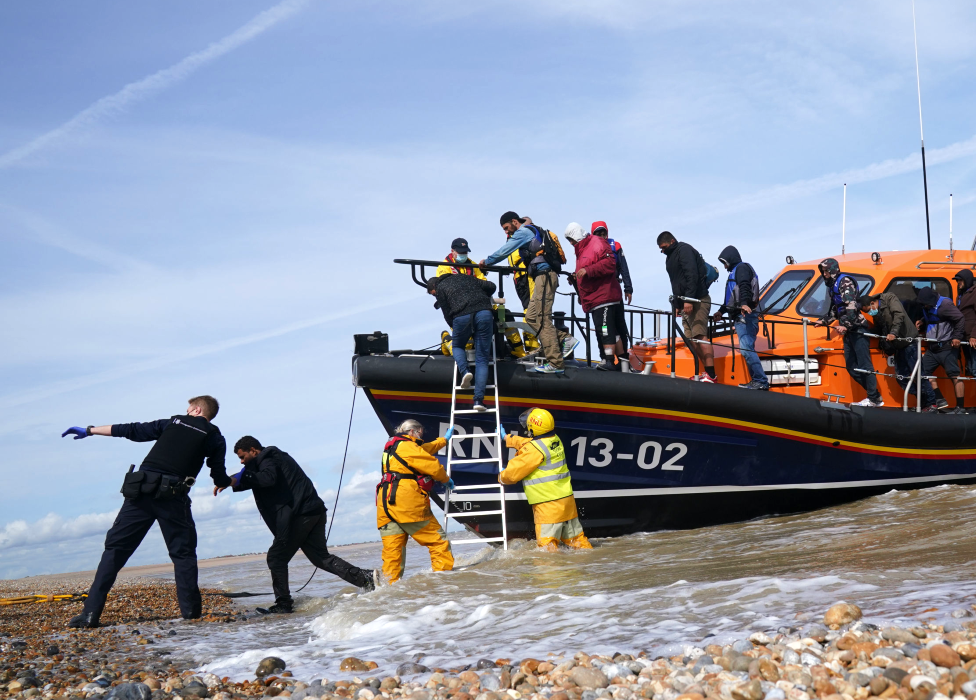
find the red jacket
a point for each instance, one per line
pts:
(599, 285)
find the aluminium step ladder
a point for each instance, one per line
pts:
(495, 440)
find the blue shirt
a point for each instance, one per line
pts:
(521, 237)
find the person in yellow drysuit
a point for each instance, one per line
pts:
(459, 254)
(540, 465)
(402, 501)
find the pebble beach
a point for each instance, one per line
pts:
(840, 657)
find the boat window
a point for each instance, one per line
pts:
(784, 290)
(817, 301)
(907, 288)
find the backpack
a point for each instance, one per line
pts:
(711, 272)
(552, 251)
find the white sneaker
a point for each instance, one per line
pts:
(569, 346)
(868, 403)
(480, 408)
(466, 380)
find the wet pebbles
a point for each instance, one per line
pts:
(843, 659)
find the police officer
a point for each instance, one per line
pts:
(540, 464)
(293, 511)
(159, 491)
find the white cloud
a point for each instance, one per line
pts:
(53, 528)
(141, 89)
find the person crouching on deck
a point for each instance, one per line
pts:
(540, 465)
(403, 501)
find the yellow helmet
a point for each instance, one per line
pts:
(538, 421)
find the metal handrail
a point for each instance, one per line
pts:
(946, 263)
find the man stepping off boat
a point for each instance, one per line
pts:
(540, 465)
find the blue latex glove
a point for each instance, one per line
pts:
(450, 484)
(449, 433)
(238, 475)
(79, 433)
(503, 433)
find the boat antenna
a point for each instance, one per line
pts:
(950, 227)
(843, 223)
(925, 180)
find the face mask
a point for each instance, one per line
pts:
(461, 258)
(872, 312)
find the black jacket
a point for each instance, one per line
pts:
(967, 303)
(182, 443)
(459, 295)
(686, 270)
(281, 489)
(746, 290)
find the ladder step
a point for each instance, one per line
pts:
(471, 388)
(474, 515)
(480, 540)
(470, 487)
(471, 410)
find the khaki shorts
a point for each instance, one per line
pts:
(696, 323)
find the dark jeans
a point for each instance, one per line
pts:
(131, 525)
(747, 328)
(307, 533)
(857, 354)
(479, 325)
(905, 360)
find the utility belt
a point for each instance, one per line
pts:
(155, 485)
(391, 482)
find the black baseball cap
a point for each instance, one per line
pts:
(510, 216)
(460, 245)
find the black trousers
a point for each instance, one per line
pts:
(126, 534)
(307, 533)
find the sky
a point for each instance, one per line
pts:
(207, 198)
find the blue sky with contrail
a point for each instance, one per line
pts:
(205, 198)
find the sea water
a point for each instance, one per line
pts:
(904, 557)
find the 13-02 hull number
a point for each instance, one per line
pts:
(648, 456)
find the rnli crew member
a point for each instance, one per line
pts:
(741, 304)
(459, 254)
(687, 272)
(539, 250)
(599, 293)
(540, 464)
(402, 501)
(158, 492)
(843, 296)
(466, 304)
(892, 321)
(946, 327)
(293, 511)
(966, 303)
(599, 228)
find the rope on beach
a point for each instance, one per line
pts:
(44, 598)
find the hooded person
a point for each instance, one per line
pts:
(403, 511)
(540, 464)
(741, 304)
(843, 305)
(599, 228)
(966, 303)
(596, 283)
(945, 327)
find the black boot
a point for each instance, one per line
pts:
(85, 620)
(369, 580)
(281, 606)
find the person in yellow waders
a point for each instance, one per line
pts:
(403, 501)
(540, 465)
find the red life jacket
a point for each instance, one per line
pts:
(390, 481)
(451, 259)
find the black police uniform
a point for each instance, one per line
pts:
(182, 443)
(293, 511)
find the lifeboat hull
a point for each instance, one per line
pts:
(648, 452)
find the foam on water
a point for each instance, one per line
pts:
(896, 556)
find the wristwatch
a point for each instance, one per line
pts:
(88, 430)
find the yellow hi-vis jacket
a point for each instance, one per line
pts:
(515, 261)
(412, 502)
(528, 464)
